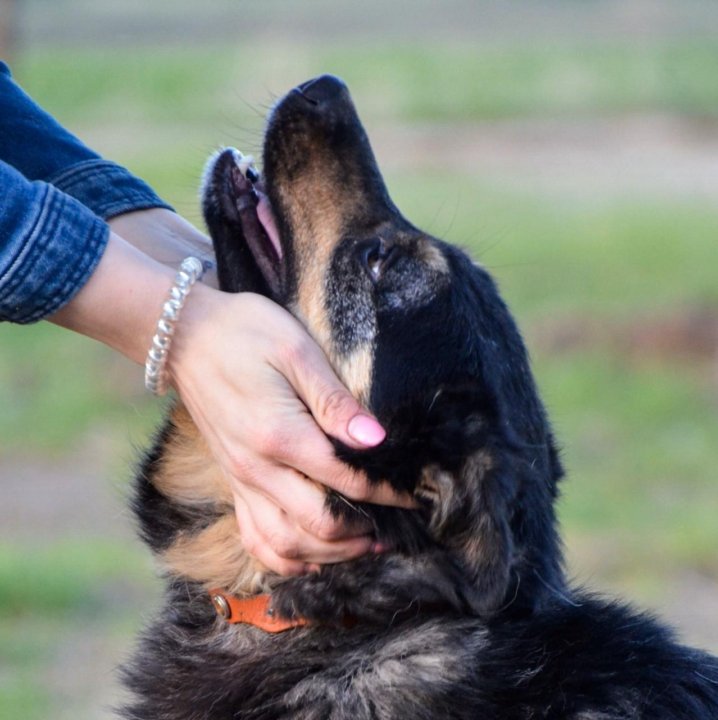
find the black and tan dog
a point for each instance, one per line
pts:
(469, 615)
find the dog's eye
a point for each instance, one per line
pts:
(376, 256)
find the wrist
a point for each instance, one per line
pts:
(166, 237)
(156, 374)
(195, 335)
(114, 306)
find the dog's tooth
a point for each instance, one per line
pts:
(238, 156)
(245, 164)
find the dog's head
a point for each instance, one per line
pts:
(417, 332)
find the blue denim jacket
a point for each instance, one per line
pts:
(55, 196)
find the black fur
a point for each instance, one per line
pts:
(469, 615)
(159, 519)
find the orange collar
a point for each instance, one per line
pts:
(255, 610)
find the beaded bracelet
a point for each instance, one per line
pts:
(190, 271)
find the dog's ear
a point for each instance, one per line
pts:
(470, 515)
(471, 498)
(495, 516)
(237, 269)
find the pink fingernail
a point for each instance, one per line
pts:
(379, 548)
(366, 430)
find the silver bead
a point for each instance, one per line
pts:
(190, 271)
(161, 342)
(166, 328)
(170, 311)
(157, 355)
(192, 264)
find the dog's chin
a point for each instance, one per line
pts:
(238, 194)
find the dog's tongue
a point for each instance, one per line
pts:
(245, 165)
(266, 217)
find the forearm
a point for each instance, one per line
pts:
(49, 247)
(167, 238)
(122, 301)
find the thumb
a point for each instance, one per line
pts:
(334, 408)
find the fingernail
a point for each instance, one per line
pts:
(366, 430)
(379, 548)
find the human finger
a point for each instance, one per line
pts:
(269, 535)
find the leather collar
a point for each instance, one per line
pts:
(255, 611)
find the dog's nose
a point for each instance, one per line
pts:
(322, 89)
(376, 256)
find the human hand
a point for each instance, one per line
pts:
(166, 237)
(261, 392)
(258, 388)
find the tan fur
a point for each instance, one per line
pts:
(438, 487)
(428, 253)
(188, 472)
(190, 476)
(481, 547)
(355, 371)
(216, 557)
(317, 227)
(479, 464)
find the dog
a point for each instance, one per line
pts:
(469, 614)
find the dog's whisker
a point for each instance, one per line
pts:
(555, 591)
(356, 508)
(436, 396)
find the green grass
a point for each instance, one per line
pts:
(69, 577)
(402, 82)
(145, 85)
(55, 600)
(55, 386)
(468, 83)
(638, 447)
(22, 696)
(554, 257)
(162, 110)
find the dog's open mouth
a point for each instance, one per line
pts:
(243, 200)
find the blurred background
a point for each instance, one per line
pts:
(571, 146)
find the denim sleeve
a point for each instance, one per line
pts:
(49, 246)
(35, 144)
